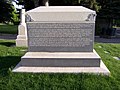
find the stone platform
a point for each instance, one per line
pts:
(94, 70)
(61, 62)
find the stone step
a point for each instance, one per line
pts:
(61, 59)
(95, 70)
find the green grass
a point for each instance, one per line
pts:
(8, 29)
(10, 56)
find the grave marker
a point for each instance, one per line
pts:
(60, 40)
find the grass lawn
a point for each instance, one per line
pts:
(8, 29)
(10, 56)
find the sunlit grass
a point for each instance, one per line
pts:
(10, 56)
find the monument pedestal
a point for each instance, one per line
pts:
(61, 59)
(21, 41)
(62, 62)
(22, 37)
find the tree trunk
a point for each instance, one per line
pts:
(45, 2)
(36, 3)
(79, 1)
(110, 22)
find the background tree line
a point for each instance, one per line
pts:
(108, 11)
(7, 12)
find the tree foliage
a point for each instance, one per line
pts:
(110, 11)
(30, 4)
(7, 11)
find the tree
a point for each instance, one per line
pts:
(30, 4)
(92, 4)
(110, 10)
(7, 11)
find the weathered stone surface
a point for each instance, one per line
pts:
(60, 36)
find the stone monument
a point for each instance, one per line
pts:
(60, 40)
(22, 31)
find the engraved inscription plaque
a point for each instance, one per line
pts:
(72, 37)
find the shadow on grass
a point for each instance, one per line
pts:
(8, 62)
(8, 44)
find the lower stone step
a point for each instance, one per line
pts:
(95, 70)
(61, 59)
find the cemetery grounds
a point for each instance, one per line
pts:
(10, 56)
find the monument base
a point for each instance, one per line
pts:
(62, 62)
(21, 41)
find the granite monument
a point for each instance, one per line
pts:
(61, 40)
